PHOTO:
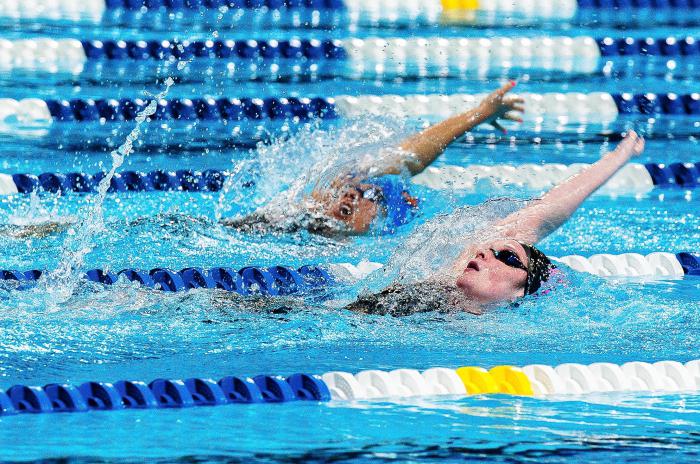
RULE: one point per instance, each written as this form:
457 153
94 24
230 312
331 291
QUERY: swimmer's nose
352 195
481 253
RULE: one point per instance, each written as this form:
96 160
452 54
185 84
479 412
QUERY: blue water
127 332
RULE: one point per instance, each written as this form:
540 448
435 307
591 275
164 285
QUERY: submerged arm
543 216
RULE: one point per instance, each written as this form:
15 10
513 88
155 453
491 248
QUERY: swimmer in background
356 199
508 267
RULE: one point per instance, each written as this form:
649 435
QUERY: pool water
73 331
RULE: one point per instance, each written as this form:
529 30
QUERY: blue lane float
284 280
162 393
682 175
184 180
250 280
353 13
319 58
234 109
227 121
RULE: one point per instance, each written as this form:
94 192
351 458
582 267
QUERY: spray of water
291 167
61 282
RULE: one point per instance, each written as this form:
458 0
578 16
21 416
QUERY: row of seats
251 280
161 393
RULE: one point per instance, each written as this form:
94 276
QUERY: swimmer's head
502 271
539 268
356 206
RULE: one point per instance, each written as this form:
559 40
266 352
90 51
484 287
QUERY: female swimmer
354 200
508 267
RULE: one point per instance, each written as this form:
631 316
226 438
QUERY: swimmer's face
355 207
487 279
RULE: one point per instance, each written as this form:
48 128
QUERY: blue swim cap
399 210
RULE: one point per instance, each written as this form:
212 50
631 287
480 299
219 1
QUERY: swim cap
399 210
539 268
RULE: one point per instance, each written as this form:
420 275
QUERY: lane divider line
344 13
633 177
349 58
284 280
543 381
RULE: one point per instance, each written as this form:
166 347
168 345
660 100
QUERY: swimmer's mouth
473 265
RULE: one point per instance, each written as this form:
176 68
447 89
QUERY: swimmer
510 267
374 194
353 201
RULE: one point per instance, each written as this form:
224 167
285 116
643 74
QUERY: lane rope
537 380
345 13
284 280
633 178
542 109
350 58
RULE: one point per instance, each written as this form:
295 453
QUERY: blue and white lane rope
342 13
542 109
536 380
282 280
632 178
353 58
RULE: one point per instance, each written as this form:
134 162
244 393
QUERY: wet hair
539 268
403 300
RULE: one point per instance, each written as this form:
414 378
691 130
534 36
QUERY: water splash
431 248
289 168
60 283
38 212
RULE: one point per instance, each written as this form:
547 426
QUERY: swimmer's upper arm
543 216
530 224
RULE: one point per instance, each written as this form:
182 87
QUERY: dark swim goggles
509 258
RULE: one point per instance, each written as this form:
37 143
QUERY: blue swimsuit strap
399 210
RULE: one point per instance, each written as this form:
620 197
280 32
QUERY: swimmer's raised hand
632 145
499 105
424 147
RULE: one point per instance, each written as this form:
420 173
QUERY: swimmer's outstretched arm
428 144
543 216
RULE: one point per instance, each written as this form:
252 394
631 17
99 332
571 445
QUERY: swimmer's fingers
512 101
513 116
505 89
639 146
497 125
